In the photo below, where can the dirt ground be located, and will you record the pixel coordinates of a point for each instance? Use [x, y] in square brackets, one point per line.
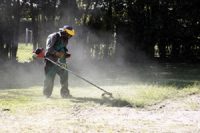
[177, 115]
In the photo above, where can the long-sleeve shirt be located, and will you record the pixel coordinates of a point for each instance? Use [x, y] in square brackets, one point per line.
[55, 43]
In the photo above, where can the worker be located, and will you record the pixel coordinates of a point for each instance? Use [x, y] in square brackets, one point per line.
[56, 50]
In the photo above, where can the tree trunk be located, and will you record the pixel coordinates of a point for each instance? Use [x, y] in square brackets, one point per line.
[34, 26]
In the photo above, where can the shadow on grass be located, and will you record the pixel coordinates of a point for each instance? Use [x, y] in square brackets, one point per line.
[25, 95]
[104, 101]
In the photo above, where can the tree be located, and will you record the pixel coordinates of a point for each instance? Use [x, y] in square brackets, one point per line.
[11, 13]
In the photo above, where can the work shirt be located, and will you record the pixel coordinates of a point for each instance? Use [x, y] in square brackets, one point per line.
[56, 43]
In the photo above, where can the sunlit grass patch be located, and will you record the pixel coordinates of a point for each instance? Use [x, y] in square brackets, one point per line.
[30, 99]
[149, 95]
[144, 95]
[24, 53]
[13, 98]
[191, 89]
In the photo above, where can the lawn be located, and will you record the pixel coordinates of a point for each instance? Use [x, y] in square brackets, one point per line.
[24, 53]
[26, 110]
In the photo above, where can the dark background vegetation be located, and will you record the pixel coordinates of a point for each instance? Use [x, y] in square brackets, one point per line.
[165, 30]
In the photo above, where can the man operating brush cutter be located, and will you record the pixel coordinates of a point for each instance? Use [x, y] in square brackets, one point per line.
[55, 58]
[56, 51]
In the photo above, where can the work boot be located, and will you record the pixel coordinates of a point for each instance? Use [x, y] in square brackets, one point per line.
[47, 96]
[65, 94]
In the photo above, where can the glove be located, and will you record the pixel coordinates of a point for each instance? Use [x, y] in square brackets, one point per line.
[67, 55]
[39, 50]
[60, 54]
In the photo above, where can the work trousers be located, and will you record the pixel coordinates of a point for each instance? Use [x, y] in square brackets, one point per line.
[50, 72]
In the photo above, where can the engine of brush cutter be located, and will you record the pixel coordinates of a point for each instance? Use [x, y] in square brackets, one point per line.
[39, 53]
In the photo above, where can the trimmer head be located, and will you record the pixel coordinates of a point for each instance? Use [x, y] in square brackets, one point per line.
[107, 94]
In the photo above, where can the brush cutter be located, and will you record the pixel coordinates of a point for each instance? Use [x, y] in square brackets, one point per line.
[39, 53]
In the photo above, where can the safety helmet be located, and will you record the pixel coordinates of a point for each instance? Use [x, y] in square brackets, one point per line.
[68, 29]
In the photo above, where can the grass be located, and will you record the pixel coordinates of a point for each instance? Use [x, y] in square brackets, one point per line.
[145, 95]
[138, 96]
[29, 111]
[29, 100]
[24, 53]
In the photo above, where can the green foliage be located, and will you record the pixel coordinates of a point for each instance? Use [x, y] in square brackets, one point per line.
[172, 26]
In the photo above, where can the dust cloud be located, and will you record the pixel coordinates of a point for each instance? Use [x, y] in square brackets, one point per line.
[100, 72]
[114, 71]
